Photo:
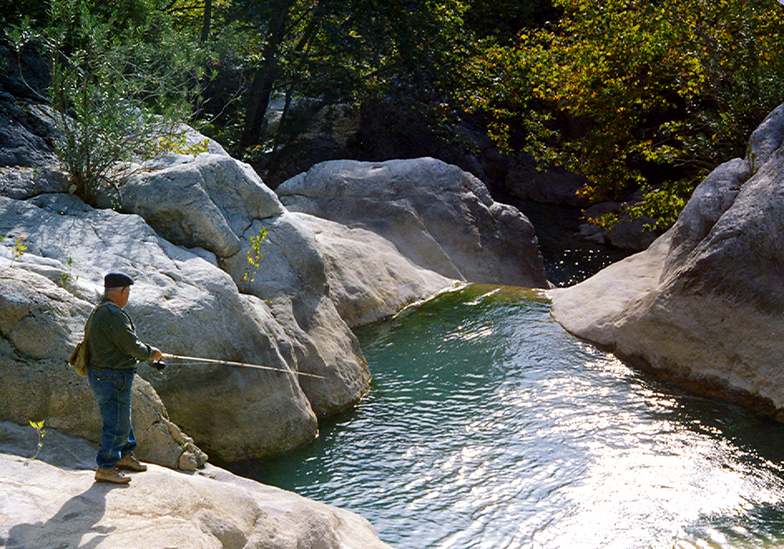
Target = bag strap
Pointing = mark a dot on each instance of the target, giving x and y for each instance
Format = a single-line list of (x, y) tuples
[(89, 320)]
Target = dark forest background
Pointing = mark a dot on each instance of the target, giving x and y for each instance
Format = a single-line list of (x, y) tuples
[(638, 99)]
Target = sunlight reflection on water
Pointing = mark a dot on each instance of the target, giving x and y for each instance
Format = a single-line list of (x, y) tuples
[(490, 427)]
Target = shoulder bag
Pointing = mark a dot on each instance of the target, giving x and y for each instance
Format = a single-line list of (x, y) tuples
[(80, 357)]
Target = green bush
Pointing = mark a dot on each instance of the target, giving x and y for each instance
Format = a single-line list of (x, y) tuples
[(115, 89)]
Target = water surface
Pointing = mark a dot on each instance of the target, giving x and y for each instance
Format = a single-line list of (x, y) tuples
[(490, 427)]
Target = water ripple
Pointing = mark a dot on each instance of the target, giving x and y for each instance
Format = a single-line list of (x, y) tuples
[(490, 427)]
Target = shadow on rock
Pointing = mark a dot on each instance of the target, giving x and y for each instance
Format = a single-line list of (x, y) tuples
[(76, 520)]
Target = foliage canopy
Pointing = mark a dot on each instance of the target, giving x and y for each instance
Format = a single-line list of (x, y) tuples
[(634, 95)]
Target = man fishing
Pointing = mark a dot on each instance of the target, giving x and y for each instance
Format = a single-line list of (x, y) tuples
[(114, 350)]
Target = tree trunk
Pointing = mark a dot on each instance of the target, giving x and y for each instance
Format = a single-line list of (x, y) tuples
[(205, 25), (256, 103), (258, 96)]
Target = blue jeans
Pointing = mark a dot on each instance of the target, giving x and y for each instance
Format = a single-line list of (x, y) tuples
[(112, 390)]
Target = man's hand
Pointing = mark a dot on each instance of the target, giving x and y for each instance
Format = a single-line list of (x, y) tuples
[(157, 360)]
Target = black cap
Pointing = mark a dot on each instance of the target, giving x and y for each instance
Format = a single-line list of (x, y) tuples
[(117, 280)]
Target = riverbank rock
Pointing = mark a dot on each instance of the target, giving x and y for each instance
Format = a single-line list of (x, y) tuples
[(216, 203), (704, 305), (38, 325), (438, 216), (204, 202), (292, 283), (182, 304), (52, 501), (24, 133), (367, 276)]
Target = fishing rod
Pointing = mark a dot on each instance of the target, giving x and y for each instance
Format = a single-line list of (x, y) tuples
[(239, 364)]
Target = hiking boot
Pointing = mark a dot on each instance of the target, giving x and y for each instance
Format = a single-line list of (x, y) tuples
[(130, 463), (113, 475)]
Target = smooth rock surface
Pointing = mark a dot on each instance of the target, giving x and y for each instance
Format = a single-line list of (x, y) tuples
[(438, 216), (292, 283), (182, 304), (704, 305), (710, 200), (593, 308), (52, 501), (205, 202), (219, 204), (766, 139), (368, 278), (38, 324)]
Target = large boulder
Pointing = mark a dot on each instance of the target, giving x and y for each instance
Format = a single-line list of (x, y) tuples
[(709, 202), (438, 216), (52, 501), (292, 282), (38, 325), (203, 202), (704, 305), (367, 276), (184, 305), (216, 203)]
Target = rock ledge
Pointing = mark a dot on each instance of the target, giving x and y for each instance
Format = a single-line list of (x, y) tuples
[(53, 502)]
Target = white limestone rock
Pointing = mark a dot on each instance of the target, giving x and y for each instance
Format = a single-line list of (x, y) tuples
[(205, 202), (710, 200), (183, 305), (53, 502), (292, 282), (218, 203), (704, 305), (438, 216), (39, 324), (369, 279)]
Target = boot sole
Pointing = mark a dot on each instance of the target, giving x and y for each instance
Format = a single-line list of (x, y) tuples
[(107, 481)]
